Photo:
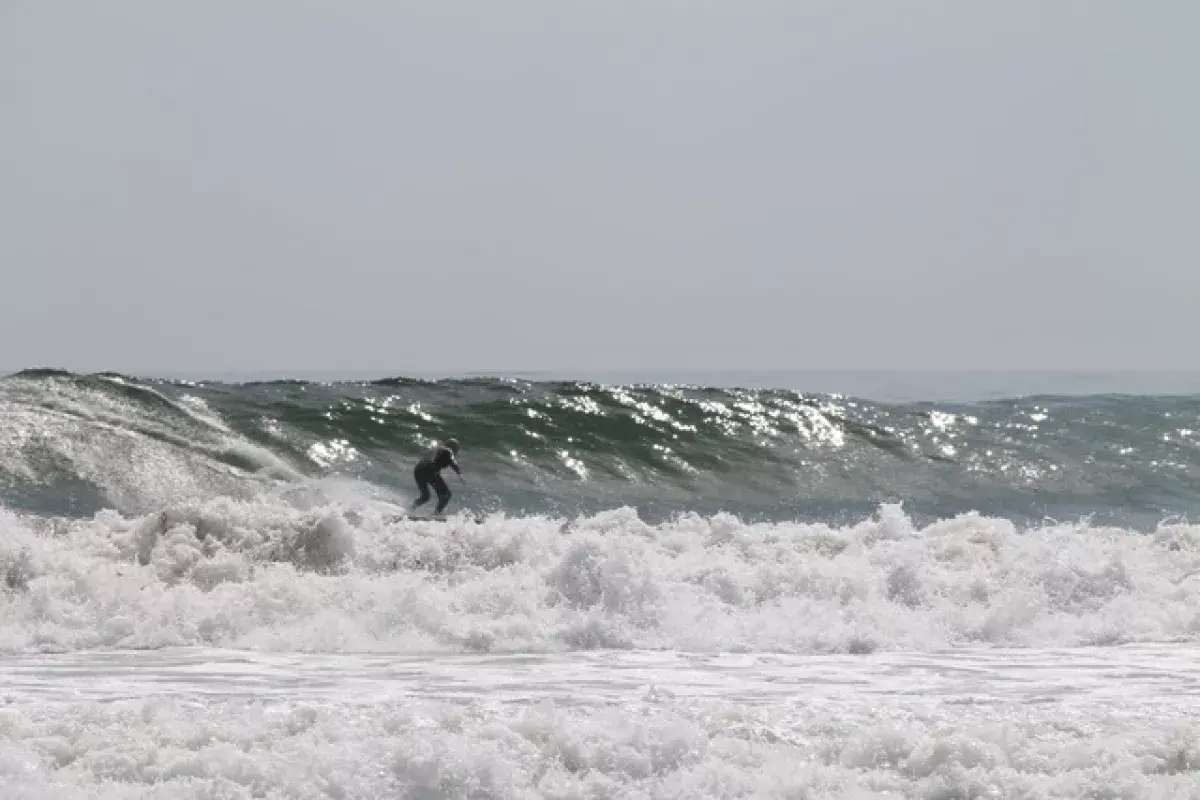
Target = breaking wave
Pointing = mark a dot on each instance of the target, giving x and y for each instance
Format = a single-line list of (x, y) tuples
[(74, 445)]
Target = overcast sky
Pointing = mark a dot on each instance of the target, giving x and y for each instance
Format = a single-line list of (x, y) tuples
[(439, 185)]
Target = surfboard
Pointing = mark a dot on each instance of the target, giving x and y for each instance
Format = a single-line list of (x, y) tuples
[(478, 519)]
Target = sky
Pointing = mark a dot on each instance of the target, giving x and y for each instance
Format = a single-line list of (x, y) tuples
[(449, 186)]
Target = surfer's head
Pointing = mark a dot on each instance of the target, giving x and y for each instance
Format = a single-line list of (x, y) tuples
[(452, 444)]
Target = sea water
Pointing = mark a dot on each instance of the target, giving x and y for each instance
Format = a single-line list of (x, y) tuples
[(211, 590)]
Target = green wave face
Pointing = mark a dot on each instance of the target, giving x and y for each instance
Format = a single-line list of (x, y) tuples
[(73, 444)]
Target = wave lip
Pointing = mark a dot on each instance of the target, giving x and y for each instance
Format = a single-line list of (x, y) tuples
[(78, 444)]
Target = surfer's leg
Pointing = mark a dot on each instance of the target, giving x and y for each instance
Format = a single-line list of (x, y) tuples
[(443, 492), (422, 486)]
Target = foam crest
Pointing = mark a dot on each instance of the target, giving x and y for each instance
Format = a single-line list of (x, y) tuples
[(268, 575)]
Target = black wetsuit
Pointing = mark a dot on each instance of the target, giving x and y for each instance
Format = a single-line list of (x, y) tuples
[(427, 474)]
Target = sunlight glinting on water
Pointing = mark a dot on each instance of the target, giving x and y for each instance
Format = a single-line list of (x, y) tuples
[(334, 451)]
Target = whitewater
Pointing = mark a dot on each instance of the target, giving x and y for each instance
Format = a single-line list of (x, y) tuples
[(190, 609)]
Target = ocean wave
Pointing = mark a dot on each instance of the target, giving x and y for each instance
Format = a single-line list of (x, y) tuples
[(77, 444)]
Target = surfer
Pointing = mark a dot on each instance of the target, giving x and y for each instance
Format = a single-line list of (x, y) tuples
[(428, 473)]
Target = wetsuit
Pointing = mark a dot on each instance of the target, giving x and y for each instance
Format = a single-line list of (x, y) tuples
[(427, 474)]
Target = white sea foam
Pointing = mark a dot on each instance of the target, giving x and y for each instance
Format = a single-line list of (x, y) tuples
[(346, 577), (1033, 724), (363, 655)]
